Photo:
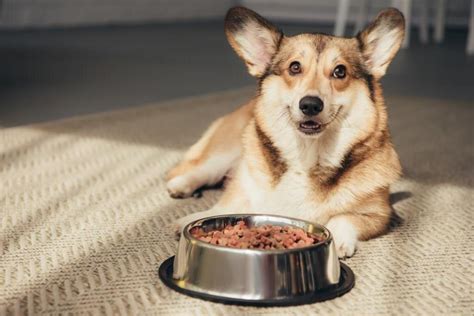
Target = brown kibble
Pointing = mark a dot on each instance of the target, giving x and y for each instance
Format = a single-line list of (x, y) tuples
[(288, 242), (278, 236), (258, 237), (223, 241), (206, 239)]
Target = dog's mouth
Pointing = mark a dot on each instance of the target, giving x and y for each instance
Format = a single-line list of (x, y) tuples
[(312, 127)]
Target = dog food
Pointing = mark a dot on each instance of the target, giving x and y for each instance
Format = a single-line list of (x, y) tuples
[(258, 237)]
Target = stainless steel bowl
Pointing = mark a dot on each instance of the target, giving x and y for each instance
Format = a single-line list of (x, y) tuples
[(254, 276)]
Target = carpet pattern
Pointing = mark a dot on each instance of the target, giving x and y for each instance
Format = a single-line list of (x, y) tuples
[(84, 214)]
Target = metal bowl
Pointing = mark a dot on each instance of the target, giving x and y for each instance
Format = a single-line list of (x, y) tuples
[(254, 276)]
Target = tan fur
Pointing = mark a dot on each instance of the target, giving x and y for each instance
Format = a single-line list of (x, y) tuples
[(222, 136), (339, 177)]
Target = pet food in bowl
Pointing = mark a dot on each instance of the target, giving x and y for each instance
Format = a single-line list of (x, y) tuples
[(258, 237), (275, 272)]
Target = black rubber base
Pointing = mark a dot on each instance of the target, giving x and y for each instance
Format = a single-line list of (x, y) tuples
[(346, 283)]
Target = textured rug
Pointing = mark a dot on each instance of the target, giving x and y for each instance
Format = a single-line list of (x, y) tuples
[(84, 214)]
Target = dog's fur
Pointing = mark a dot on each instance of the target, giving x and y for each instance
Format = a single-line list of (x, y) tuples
[(338, 176)]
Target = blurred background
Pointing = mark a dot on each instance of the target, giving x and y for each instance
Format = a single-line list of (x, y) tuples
[(63, 58)]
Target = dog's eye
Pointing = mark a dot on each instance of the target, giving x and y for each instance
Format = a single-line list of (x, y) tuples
[(295, 68), (339, 72)]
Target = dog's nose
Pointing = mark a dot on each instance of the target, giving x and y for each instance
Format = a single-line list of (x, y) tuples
[(311, 105)]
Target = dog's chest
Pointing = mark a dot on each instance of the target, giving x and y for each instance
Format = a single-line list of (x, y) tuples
[(296, 192), (293, 195)]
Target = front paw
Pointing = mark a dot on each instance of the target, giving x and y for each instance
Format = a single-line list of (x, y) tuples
[(345, 236), (180, 187)]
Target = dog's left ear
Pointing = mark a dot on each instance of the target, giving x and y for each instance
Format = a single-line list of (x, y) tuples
[(253, 38), (381, 40)]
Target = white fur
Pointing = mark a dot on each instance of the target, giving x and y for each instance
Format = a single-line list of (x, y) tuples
[(344, 234), (288, 198), (180, 186), (208, 173), (328, 148)]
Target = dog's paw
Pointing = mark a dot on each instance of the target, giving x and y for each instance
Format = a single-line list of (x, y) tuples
[(180, 187), (345, 236)]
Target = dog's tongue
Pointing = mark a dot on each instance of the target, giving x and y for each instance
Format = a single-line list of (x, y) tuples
[(310, 125)]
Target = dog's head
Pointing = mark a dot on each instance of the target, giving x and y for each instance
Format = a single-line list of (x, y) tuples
[(313, 80)]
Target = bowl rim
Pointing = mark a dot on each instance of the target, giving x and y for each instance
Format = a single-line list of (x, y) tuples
[(201, 243)]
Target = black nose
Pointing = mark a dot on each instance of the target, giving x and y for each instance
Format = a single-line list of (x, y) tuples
[(310, 105)]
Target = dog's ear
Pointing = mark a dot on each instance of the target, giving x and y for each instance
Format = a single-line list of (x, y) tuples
[(381, 40), (253, 38)]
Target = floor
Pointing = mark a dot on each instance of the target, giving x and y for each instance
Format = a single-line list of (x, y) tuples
[(52, 74)]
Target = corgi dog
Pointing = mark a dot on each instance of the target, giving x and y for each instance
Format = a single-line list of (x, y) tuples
[(314, 142)]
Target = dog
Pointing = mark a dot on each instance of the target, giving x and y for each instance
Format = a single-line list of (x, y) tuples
[(314, 142)]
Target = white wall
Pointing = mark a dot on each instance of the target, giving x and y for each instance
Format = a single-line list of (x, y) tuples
[(45, 13)]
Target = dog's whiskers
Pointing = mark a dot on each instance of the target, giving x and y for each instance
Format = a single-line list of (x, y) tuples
[(335, 116), (283, 115)]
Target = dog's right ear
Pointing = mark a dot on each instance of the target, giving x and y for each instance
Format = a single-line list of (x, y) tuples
[(253, 38)]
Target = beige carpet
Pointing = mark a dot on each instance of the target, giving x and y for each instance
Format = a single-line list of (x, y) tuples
[(84, 210)]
